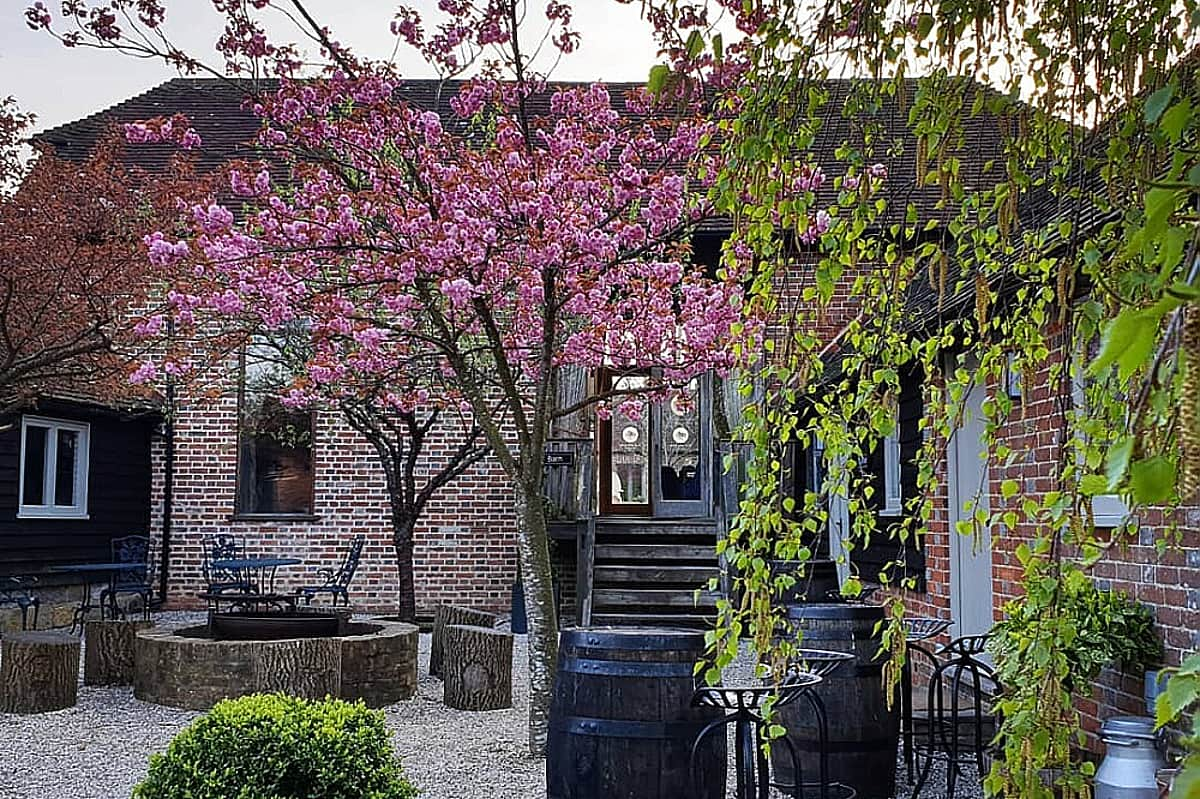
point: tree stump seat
(445, 615)
(39, 672)
(477, 664)
(108, 656)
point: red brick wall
(465, 546)
(1168, 582)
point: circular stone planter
(375, 662)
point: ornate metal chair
(956, 726)
(15, 590)
(337, 581)
(223, 547)
(132, 549)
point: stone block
(375, 662)
(380, 667)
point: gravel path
(99, 748)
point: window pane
(64, 467)
(680, 442)
(35, 465)
(274, 442)
(630, 446)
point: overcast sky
(60, 84)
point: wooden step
(622, 619)
(650, 598)
(654, 528)
(650, 552)
(693, 575)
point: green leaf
(1093, 485)
(1157, 103)
(1127, 340)
(1118, 462)
(1182, 690)
(924, 25)
(718, 46)
(1160, 204)
(1176, 120)
(695, 44)
(1152, 480)
(1009, 489)
(658, 78)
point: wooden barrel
(863, 731)
(622, 724)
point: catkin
(981, 301)
(1189, 408)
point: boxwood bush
(273, 746)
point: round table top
(920, 628)
(98, 567)
(255, 563)
(752, 697)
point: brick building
(656, 486)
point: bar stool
(961, 676)
(745, 702)
(916, 629)
(753, 771)
(822, 662)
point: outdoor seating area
(597, 399)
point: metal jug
(1133, 757)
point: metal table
(259, 572)
(92, 574)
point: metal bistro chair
(337, 581)
(15, 590)
(129, 549)
(955, 726)
(223, 547)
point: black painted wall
(886, 548)
(118, 493)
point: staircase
(646, 572)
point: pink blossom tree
(515, 228)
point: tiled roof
(218, 112)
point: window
(1108, 510)
(275, 464)
(54, 468)
(893, 500)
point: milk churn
(1132, 759)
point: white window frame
(1109, 511)
(893, 495)
(79, 510)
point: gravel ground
(99, 748)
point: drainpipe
(168, 478)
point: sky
(60, 85)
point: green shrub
(273, 746)
(1090, 627)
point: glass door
(683, 452)
(657, 462)
(625, 454)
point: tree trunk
(403, 527)
(443, 617)
(108, 656)
(534, 549)
(38, 672)
(478, 667)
